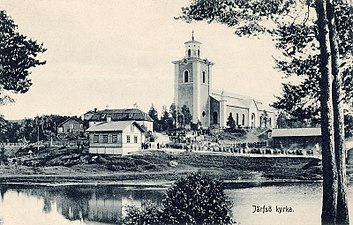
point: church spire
(192, 47)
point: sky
(117, 53)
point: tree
(154, 115)
(186, 115)
(194, 199)
(173, 113)
(166, 122)
(327, 37)
(18, 55)
(264, 119)
(348, 122)
(231, 122)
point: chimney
(95, 109)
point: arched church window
(189, 53)
(203, 77)
(186, 76)
(243, 119)
(198, 53)
(237, 119)
(269, 122)
(253, 120)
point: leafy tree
(166, 122)
(264, 119)
(231, 122)
(18, 54)
(180, 117)
(312, 44)
(154, 115)
(348, 121)
(195, 199)
(3, 155)
(173, 113)
(186, 115)
(28, 129)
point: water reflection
(305, 199)
(81, 204)
(105, 205)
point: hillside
(60, 165)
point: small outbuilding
(71, 125)
(296, 137)
(116, 137)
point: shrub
(194, 199)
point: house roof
(240, 101)
(121, 115)
(68, 119)
(113, 126)
(296, 132)
(264, 132)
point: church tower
(192, 82)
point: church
(193, 88)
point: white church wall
(240, 112)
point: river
(290, 203)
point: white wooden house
(116, 137)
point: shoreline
(149, 183)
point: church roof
(121, 115)
(296, 132)
(192, 39)
(241, 101)
(185, 60)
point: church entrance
(215, 117)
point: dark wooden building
(71, 125)
(297, 138)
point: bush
(195, 199)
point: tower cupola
(192, 48)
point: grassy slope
(67, 165)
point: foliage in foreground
(195, 199)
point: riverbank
(157, 167)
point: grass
(67, 165)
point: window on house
(132, 128)
(243, 120)
(115, 138)
(203, 77)
(105, 138)
(237, 119)
(186, 76)
(96, 138)
(269, 135)
(128, 139)
(135, 139)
